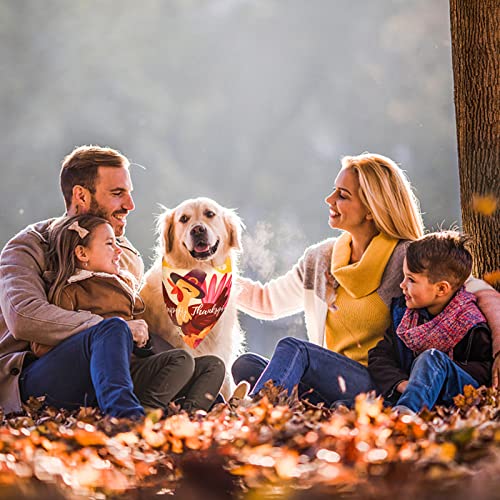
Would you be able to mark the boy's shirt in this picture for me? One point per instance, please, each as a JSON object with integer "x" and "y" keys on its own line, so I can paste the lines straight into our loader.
{"x": 390, "y": 361}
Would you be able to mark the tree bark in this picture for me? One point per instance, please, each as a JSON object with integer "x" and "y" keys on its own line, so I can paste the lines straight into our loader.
{"x": 475, "y": 41}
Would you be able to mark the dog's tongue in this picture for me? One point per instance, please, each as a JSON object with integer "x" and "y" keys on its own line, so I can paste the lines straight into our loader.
{"x": 202, "y": 247}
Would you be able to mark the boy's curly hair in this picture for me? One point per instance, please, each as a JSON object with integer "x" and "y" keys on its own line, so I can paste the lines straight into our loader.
{"x": 441, "y": 256}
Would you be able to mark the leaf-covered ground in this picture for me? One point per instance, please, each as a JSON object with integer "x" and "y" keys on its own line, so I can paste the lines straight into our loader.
{"x": 275, "y": 447}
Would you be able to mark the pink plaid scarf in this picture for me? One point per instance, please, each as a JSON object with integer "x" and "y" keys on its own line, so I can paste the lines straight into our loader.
{"x": 444, "y": 331}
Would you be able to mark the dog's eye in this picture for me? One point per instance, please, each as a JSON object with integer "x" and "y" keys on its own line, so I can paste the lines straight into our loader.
{"x": 183, "y": 219}
{"x": 209, "y": 214}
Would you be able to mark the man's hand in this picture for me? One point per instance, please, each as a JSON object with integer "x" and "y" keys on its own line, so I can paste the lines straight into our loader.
{"x": 495, "y": 371}
{"x": 401, "y": 387}
{"x": 139, "y": 330}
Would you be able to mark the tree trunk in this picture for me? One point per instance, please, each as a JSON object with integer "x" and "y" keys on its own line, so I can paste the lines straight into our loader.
{"x": 475, "y": 41}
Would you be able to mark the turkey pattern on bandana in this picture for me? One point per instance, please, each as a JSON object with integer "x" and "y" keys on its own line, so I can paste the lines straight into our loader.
{"x": 196, "y": 299}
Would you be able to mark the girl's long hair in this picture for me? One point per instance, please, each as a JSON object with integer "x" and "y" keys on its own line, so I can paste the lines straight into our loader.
{"x": 61, "y": 259}
{"x": 386, "y": 192}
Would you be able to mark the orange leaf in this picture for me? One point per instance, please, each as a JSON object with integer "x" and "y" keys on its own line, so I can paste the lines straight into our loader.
{"x": 485, "y": 205}
{"x": 286, "y": 464}
{"x": 492, "y": 278}
{"x": 92, "y": 438}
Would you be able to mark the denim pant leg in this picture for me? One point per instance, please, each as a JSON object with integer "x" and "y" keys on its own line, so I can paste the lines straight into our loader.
{"x": 90, "y": 367}
{"x": 434, "y": 378}
{"x": 250, "y": 366}
{"x": 330, "y": 375}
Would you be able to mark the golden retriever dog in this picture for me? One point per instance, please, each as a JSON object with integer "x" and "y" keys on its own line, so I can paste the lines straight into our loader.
{"x": 190, "y": 290}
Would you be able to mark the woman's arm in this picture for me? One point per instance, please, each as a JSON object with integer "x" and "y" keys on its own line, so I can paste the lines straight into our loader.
{"x": 286, "y": 295}
{"x": 488, "y": 300}
{"x": 489, "y": 303}
{"x": 280, "y": 297}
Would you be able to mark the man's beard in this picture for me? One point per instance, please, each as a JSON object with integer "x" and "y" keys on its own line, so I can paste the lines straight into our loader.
{"x": 95, "y": 209}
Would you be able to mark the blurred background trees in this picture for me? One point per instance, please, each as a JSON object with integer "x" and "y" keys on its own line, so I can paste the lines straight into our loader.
{"x": 251, "y": 102}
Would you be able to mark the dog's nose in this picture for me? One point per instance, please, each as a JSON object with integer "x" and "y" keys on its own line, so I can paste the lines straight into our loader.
{"x": 198, "y": 230}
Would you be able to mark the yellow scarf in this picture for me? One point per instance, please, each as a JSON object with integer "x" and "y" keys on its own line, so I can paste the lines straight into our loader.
{"x": 359, "y": 317}
{"x": 363, "y": 277}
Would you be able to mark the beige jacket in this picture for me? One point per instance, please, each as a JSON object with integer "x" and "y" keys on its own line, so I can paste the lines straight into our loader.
{"x": 26, "y": 315}
{"x": 107, "y": 295}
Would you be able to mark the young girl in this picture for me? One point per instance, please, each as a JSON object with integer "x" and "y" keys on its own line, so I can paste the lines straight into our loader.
{"x": 84, "y": 274}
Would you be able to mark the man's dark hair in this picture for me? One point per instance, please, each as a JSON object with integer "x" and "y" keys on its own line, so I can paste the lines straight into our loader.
{"x": 79, "y": 168}
{"x": 441, "y": 256}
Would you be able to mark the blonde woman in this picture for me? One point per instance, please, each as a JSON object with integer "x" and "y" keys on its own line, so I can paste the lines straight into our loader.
{"x": 344, "y": 285}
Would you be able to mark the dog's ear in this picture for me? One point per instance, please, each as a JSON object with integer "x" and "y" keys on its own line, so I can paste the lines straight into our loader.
{"x": 165, "y": 230}
{"x": 234, "y": 228}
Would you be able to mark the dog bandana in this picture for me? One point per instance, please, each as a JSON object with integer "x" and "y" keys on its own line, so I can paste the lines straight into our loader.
{"x": 196, "y": 299}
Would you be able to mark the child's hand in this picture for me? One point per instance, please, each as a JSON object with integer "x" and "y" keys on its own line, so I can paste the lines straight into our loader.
{"x": 139, "y": 330}
{"x": 40, "y": 349}
{"x": 402, "y": 386}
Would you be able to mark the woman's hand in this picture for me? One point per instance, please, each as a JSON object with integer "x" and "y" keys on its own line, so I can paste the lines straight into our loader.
{"x": 139, "y": 329}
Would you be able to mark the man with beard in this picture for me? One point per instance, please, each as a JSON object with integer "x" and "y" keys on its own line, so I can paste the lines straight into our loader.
{"x": 91, "y": 363}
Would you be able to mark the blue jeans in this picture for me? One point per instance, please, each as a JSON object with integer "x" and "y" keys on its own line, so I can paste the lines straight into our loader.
{"x": 434, "y": 378}
{"x": 321, "y": 375}
{"x": 90, "y": 367}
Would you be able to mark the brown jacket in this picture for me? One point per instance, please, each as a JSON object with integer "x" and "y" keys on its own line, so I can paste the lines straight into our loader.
{"x": 26, "y": 315}
{"x": 106, "y": 295}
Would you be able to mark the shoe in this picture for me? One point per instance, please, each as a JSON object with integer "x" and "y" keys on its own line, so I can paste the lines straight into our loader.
{"x": 404, "y": 410}
{"x": 240, "y": 393}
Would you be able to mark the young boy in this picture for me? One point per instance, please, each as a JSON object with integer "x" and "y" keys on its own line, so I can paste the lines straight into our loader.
{"x": 438, "y": 341}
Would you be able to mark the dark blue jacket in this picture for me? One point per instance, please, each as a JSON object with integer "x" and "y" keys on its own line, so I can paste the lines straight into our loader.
{"x": 390, "y": 361}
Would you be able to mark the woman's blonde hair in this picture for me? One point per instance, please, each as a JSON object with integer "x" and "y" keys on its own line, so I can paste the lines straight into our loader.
{"x": 387, "y": 193}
